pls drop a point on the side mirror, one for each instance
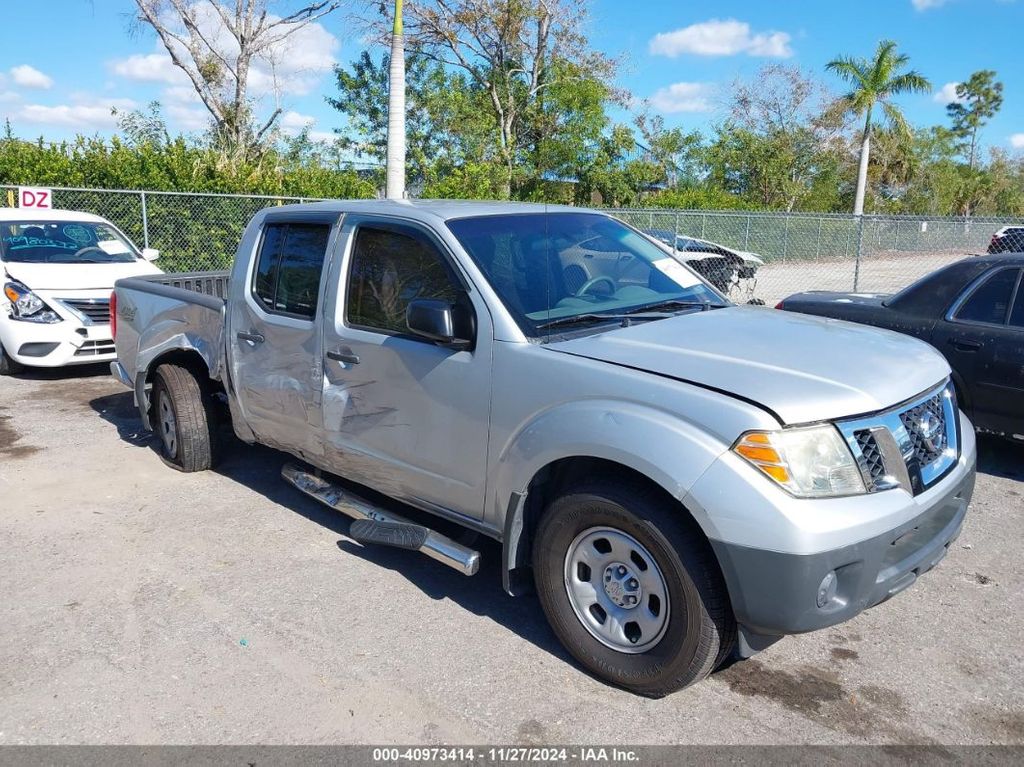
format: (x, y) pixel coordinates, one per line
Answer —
(150, 254)
(432, 319)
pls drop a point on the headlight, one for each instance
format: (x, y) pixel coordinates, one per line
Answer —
(810, 463)
(27, 306)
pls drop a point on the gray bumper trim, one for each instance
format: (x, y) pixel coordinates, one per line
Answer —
(774, 593)
(118, 371)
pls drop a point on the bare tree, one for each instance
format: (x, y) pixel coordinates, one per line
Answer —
(512, 49)
(215, 42)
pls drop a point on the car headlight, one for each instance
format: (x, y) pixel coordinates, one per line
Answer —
(812, 462)
(27, 306)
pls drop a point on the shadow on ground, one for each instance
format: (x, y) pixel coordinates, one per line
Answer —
(258, 468)
(71, 372)
(1000, 457)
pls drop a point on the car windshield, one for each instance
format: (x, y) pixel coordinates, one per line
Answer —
(549, 267)
(64, 242)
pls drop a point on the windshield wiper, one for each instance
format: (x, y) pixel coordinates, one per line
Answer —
(674, 304)
(579, 319)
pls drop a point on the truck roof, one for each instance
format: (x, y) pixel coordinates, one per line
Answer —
(46, 214)
(443, 210)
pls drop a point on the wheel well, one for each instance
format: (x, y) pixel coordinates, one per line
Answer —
(191, 361)
(548, 483)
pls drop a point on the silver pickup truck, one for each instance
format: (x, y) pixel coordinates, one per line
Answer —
(680, 479)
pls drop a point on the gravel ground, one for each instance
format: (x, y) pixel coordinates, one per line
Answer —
(878, 273)
(140, 605)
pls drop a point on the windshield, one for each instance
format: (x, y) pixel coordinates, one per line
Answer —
(553, 266)
(64, 242)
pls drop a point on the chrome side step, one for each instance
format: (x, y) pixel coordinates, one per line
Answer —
(383, 526)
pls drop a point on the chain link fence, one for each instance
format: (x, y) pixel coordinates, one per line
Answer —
(793, 251)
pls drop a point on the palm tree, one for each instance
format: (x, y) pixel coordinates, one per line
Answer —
(874, 82)
(395, 185)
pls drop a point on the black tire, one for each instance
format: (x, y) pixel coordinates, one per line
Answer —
(194, 422)
(701, 629)
(8, 367)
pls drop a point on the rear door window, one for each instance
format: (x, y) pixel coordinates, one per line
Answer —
(990, 302)
(1017, 313)
(289, 267)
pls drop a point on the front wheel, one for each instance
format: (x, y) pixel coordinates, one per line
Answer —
(8, 367)
(631, 588)
(184, 418)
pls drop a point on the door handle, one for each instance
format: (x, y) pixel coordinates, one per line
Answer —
(344, 354)
(253, 338)
(965, 346)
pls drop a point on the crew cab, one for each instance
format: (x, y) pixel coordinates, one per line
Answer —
(679, 478)
(57, 269)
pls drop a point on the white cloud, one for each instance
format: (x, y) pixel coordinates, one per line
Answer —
(148, 68)
(682, 97)
(924, 5)
(187, 118)
(293, 123)
(1017, 140)
(721, 38)
(947, 94)
(77, 116)
(30, 77)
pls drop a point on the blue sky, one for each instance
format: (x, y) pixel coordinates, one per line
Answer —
(679, 54)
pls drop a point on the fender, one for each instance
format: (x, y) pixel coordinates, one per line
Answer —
(662, 446)
(195, 333)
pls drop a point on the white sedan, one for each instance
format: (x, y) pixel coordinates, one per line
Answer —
(58, 268)
(725, 268)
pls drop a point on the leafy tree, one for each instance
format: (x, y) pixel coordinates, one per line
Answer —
(778, 139)
(978, 101)
(514, 51)
(875, 82)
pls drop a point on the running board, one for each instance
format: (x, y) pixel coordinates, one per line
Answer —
(377, 525)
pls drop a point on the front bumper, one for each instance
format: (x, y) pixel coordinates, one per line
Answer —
(57, 345)
(774, 585)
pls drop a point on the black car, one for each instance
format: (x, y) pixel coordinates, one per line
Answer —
(972, 312)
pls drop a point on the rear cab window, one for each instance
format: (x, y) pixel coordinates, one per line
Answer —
(289, 268)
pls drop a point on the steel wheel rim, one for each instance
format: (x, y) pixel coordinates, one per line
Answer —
(168, 426)
(616, 589)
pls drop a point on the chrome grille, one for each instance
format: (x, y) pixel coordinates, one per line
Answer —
(912, 446)
(926, 426)
(872, 464)
(96, 309)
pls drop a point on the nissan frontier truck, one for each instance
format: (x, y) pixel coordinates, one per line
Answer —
(679, 478)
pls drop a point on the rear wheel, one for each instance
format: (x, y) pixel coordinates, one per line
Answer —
(631, 588)
(184, 419)
(8, 367)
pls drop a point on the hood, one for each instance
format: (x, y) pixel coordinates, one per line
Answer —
(800, 367)
(76, 276)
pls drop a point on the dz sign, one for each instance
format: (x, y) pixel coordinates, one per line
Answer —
(34, 197)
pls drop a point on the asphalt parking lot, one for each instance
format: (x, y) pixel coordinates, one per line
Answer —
(140, 605)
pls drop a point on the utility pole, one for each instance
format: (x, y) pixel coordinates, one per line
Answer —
(395, 186)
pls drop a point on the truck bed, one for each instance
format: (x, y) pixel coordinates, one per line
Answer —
(164, 312)
(212, 283)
